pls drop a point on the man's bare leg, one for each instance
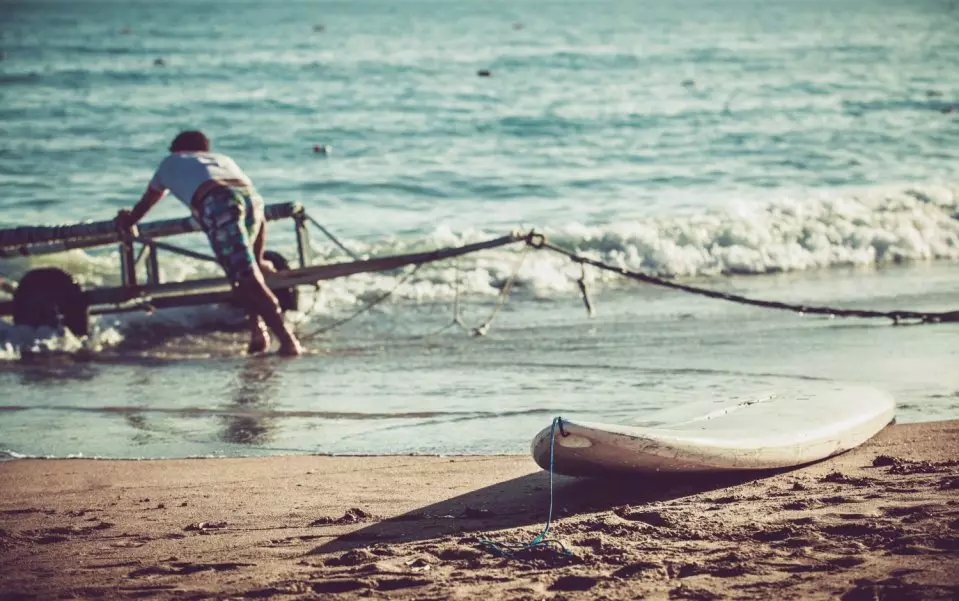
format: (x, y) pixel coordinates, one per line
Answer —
(259, 336)
(262, 301)
(259, 245)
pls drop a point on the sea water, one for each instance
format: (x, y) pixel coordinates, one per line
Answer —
(803, 151)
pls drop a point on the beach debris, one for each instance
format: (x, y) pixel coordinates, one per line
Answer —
(884, 460)
(204, 526)
(353, 557)
(418, 565)
(904, 467)
(352, 516)
(841, 478)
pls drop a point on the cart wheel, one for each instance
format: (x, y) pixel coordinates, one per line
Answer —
(51, 297)
(287, 297)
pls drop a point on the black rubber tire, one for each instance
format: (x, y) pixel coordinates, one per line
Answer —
(287, 297)
(51, 297)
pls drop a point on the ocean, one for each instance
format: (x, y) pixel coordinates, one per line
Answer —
(803, 151)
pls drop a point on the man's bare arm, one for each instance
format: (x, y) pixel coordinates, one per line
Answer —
(126, 219)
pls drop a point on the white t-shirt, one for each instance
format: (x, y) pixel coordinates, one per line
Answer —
(183, 172)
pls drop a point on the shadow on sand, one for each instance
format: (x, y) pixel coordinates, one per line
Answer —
(524, 501)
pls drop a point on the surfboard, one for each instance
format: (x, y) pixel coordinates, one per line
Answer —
(764, 432)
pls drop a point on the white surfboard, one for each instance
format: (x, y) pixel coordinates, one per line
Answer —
(776, 430)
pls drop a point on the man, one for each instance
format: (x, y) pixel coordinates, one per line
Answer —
(223, 200)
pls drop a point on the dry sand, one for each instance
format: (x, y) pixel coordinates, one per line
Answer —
(881, 522)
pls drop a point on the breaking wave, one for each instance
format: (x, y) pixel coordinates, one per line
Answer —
(863, 230)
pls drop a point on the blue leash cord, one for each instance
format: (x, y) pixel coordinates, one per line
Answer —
(513, 549)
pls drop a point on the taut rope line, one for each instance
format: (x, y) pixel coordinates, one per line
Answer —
(539, 241)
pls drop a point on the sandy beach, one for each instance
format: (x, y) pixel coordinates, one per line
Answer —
(880, 522)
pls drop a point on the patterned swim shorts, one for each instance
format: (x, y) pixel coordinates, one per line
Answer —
(232, 219)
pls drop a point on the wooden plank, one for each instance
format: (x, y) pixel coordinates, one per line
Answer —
(200, 291)
(298, 277)
(24, 241)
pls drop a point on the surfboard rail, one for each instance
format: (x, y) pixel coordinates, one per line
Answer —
(836, 422)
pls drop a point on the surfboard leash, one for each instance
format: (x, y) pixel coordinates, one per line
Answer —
(513, 550)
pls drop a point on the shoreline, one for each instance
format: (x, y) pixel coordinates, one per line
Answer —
(881, 521)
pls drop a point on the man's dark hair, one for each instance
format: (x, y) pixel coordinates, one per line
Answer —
(187, 141)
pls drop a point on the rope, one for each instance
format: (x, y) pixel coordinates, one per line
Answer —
(539, 241)
(364, 309)
(504, 293)
(581, 282)
(172, 248)
(329, 235)
(483, 328)
(457, 320)
(512, 550)
(316, 297)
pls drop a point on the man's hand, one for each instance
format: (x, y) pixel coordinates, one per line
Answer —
(124, 219)
(126, 224)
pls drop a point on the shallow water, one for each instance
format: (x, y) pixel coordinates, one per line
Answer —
(368, 389)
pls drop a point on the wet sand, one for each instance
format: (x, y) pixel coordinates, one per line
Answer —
(880, 522)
